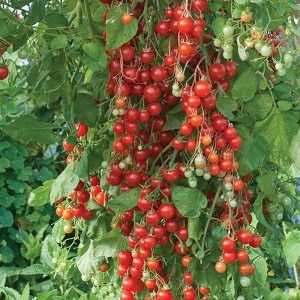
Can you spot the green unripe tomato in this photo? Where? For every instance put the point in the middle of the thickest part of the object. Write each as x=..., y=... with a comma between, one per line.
x=22, y=54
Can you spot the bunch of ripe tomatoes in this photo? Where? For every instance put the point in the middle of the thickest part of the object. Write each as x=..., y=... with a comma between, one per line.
x=168, y=132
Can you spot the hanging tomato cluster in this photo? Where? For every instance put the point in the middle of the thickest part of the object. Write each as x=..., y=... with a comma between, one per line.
x=169, y=132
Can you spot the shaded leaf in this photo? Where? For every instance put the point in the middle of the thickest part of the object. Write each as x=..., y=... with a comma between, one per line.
x=27, y=128
x=41, y=195
x=125, y=201
x=188, y=201
x=278, y=129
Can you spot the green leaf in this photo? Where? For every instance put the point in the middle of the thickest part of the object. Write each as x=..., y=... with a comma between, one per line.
x=295, y=150
x=4, y=164
x=35, y=269
x=118, y=33
x=90, y=161
x=59, y=42
x=6, y=218
x=283, y=90
x=217, y=26
x=265, y=182
x=174, y=118
x=252, y=152
x=278, y=129
x=41, y=195
x=95, y=56
x=10, y=293
x=258, y=210
x=291, y=247
x=226, y=106
x=125, y=201
x=49, y=250
x=27, y=128
x=109, y=244
x=64, y=183
x=89, y=114
x=245, y=86
x=54, y=20
x=279, y=294
x=188, y=201
x=6, y=254
x=259, y=106
x=261, y=266
x=26, y=291
x=284, y=105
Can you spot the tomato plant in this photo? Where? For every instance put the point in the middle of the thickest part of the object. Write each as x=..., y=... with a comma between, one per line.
x=180, y=125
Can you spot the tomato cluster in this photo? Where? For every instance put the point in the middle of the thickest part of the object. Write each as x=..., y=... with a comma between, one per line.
x=152, y=152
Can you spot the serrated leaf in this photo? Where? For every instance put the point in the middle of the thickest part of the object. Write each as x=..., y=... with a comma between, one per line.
x=27, y=128
x=59, y=42
x=245, y=86
x=118, y=33
x=226, y=106
x=278, y=129
x=41, y=195
x=125, y=201
x=291, y=247
x=295, y=150
x=259, y=106
x=64, y=183
x=188, y=201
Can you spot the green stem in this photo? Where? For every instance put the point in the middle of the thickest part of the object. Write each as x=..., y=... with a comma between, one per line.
x=212, y=209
